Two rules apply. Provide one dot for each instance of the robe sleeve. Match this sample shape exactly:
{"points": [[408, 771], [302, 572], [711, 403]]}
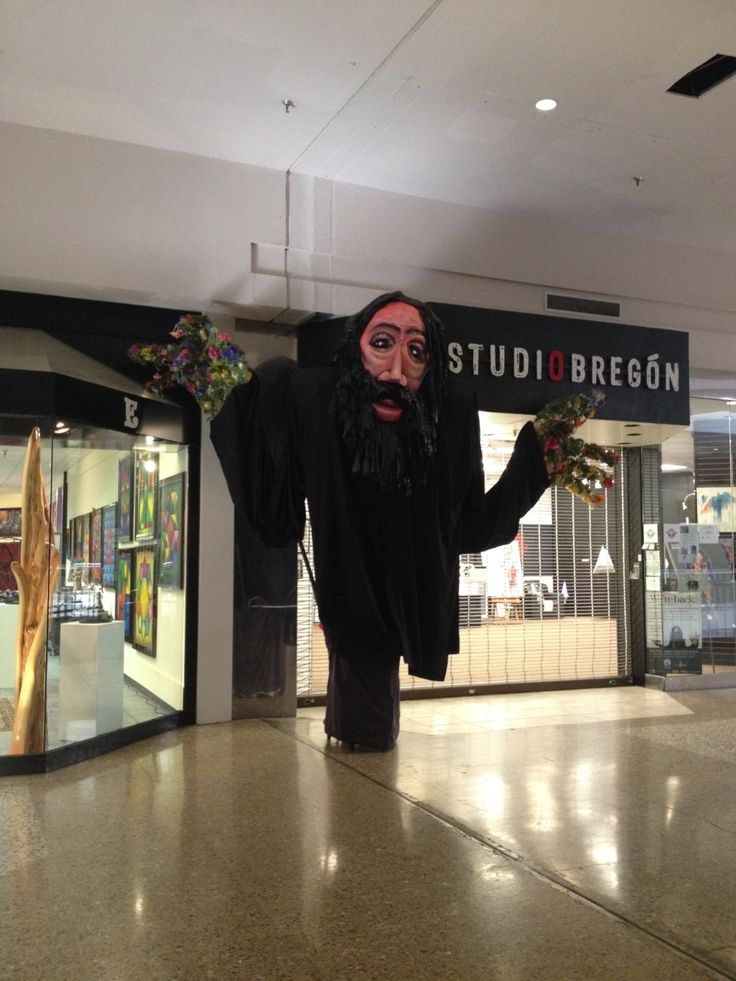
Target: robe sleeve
{"points": [[252, 436], [492, 519]]}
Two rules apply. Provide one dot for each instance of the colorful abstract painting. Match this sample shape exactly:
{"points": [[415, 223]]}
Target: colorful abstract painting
{"points": [[125, 498], [146, 494], [144, 626], [109, 522], [124, 592], [171, 524]]}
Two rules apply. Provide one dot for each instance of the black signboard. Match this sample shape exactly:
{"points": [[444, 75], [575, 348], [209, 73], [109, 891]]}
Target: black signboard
{"points": [[518, 361]]}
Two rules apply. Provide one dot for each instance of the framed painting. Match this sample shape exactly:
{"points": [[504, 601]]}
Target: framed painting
{"points": [[109, 523], [95, 546], [144, 584], [85, 519], [75, 539], [80, 538], [171, 525], [146, 494], [10, 523], [125, 498], [124, 592]]}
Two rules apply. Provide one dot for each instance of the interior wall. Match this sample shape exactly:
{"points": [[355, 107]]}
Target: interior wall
{"points": [[95, 218], [105, 220]]}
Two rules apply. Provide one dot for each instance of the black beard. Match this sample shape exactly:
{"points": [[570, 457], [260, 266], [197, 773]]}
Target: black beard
{"points": [[395, 455]]}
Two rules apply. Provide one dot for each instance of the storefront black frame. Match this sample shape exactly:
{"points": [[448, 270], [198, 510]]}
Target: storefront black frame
{"points": [[97, 327]]}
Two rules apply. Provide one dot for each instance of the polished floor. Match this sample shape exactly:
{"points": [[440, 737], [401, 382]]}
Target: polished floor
{"points": [[572, 835]]}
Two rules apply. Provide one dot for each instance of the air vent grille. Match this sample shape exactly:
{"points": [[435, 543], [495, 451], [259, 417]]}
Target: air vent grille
{"points": [[584, 305], [706, 76]]}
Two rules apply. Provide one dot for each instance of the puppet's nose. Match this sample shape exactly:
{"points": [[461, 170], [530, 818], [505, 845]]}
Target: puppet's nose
{"points": [[394, 371]]}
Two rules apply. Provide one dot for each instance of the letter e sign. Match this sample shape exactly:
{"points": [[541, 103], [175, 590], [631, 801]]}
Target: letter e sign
{"points": [[131, 419]]}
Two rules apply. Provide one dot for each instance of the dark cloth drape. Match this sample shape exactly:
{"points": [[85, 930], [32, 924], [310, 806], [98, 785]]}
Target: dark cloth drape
{"points": [[385, 564]]}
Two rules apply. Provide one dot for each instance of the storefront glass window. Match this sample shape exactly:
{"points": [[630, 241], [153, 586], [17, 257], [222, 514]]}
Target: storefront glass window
{"points": [[688, 552], [107, 650]]}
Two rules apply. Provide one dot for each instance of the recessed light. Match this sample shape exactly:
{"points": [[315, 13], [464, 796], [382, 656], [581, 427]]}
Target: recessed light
{"points": [[546, 105]]}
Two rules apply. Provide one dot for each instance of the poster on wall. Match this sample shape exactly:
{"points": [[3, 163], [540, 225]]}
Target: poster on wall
{"points": [[125, 497], [124, 592], [109, 522], [146, 494], [171, 524], [95, 546], [144, 625], [681, 626], [716, 507]]}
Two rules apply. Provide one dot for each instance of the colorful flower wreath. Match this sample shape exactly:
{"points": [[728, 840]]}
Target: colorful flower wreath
{"points": [[202, 359], [583, 468]]}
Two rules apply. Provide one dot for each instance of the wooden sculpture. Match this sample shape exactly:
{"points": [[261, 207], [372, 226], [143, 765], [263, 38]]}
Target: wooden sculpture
{"points": [[36, 575]]}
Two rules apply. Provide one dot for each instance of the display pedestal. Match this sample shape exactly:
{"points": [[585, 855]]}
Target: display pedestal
{"points": [[90, 679], [8, 641]]}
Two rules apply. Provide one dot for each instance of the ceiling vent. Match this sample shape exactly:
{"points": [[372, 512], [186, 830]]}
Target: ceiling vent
{"points": [[706, 76], [584, 306]]}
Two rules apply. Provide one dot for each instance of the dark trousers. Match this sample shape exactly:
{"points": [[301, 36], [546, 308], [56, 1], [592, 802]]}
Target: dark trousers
{"points": [[363, 705]]}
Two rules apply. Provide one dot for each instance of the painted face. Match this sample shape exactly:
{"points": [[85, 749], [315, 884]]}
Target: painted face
{"points": [[393, 348]]}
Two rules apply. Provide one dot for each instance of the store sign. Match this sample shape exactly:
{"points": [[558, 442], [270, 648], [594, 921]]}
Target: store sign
{"points": [[518, 361], [130, 409]]}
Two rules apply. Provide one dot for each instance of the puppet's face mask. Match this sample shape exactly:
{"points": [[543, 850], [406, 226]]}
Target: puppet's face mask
{"points": [[393, 350]]}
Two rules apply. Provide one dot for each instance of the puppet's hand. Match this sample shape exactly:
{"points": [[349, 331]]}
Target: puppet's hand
{"points": [[201, 359], [571, 463]]}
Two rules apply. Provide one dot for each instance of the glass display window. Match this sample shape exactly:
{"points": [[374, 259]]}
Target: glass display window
{"points": [[94, 537]]}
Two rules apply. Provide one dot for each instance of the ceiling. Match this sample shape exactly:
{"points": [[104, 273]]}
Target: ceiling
{"points": [[434, 99]]}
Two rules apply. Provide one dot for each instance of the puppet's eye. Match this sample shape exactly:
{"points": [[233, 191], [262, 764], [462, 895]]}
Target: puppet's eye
{"points": [[418, 352], [381, 341]]}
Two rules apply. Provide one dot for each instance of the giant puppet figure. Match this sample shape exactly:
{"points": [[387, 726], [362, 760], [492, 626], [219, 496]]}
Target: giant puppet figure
{"points": [[385, 449]]}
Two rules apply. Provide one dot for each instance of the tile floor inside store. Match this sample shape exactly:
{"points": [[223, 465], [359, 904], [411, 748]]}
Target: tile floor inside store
{"points": [[137, 705], [567, 835]]}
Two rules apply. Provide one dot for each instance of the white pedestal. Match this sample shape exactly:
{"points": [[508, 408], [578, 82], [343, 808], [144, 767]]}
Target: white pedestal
{"points": [[90, 679], [8, 639]]}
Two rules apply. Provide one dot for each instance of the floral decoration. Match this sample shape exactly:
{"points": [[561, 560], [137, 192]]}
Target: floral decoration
{"points": [[202, 359], [582, 468]]}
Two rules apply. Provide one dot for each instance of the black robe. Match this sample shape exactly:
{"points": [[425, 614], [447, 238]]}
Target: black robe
{"points": [[386, 565]]}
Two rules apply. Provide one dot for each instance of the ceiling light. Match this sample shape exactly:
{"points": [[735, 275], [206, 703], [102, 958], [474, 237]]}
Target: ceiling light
{"points": [[673, 467], [546, 105], [60, 428]]}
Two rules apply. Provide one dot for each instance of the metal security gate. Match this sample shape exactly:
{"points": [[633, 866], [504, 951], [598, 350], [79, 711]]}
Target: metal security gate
{"points": [[548, 609]]}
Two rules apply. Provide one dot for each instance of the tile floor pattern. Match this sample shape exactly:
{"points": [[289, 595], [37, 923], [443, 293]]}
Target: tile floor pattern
{"points": [[572, 835]]}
